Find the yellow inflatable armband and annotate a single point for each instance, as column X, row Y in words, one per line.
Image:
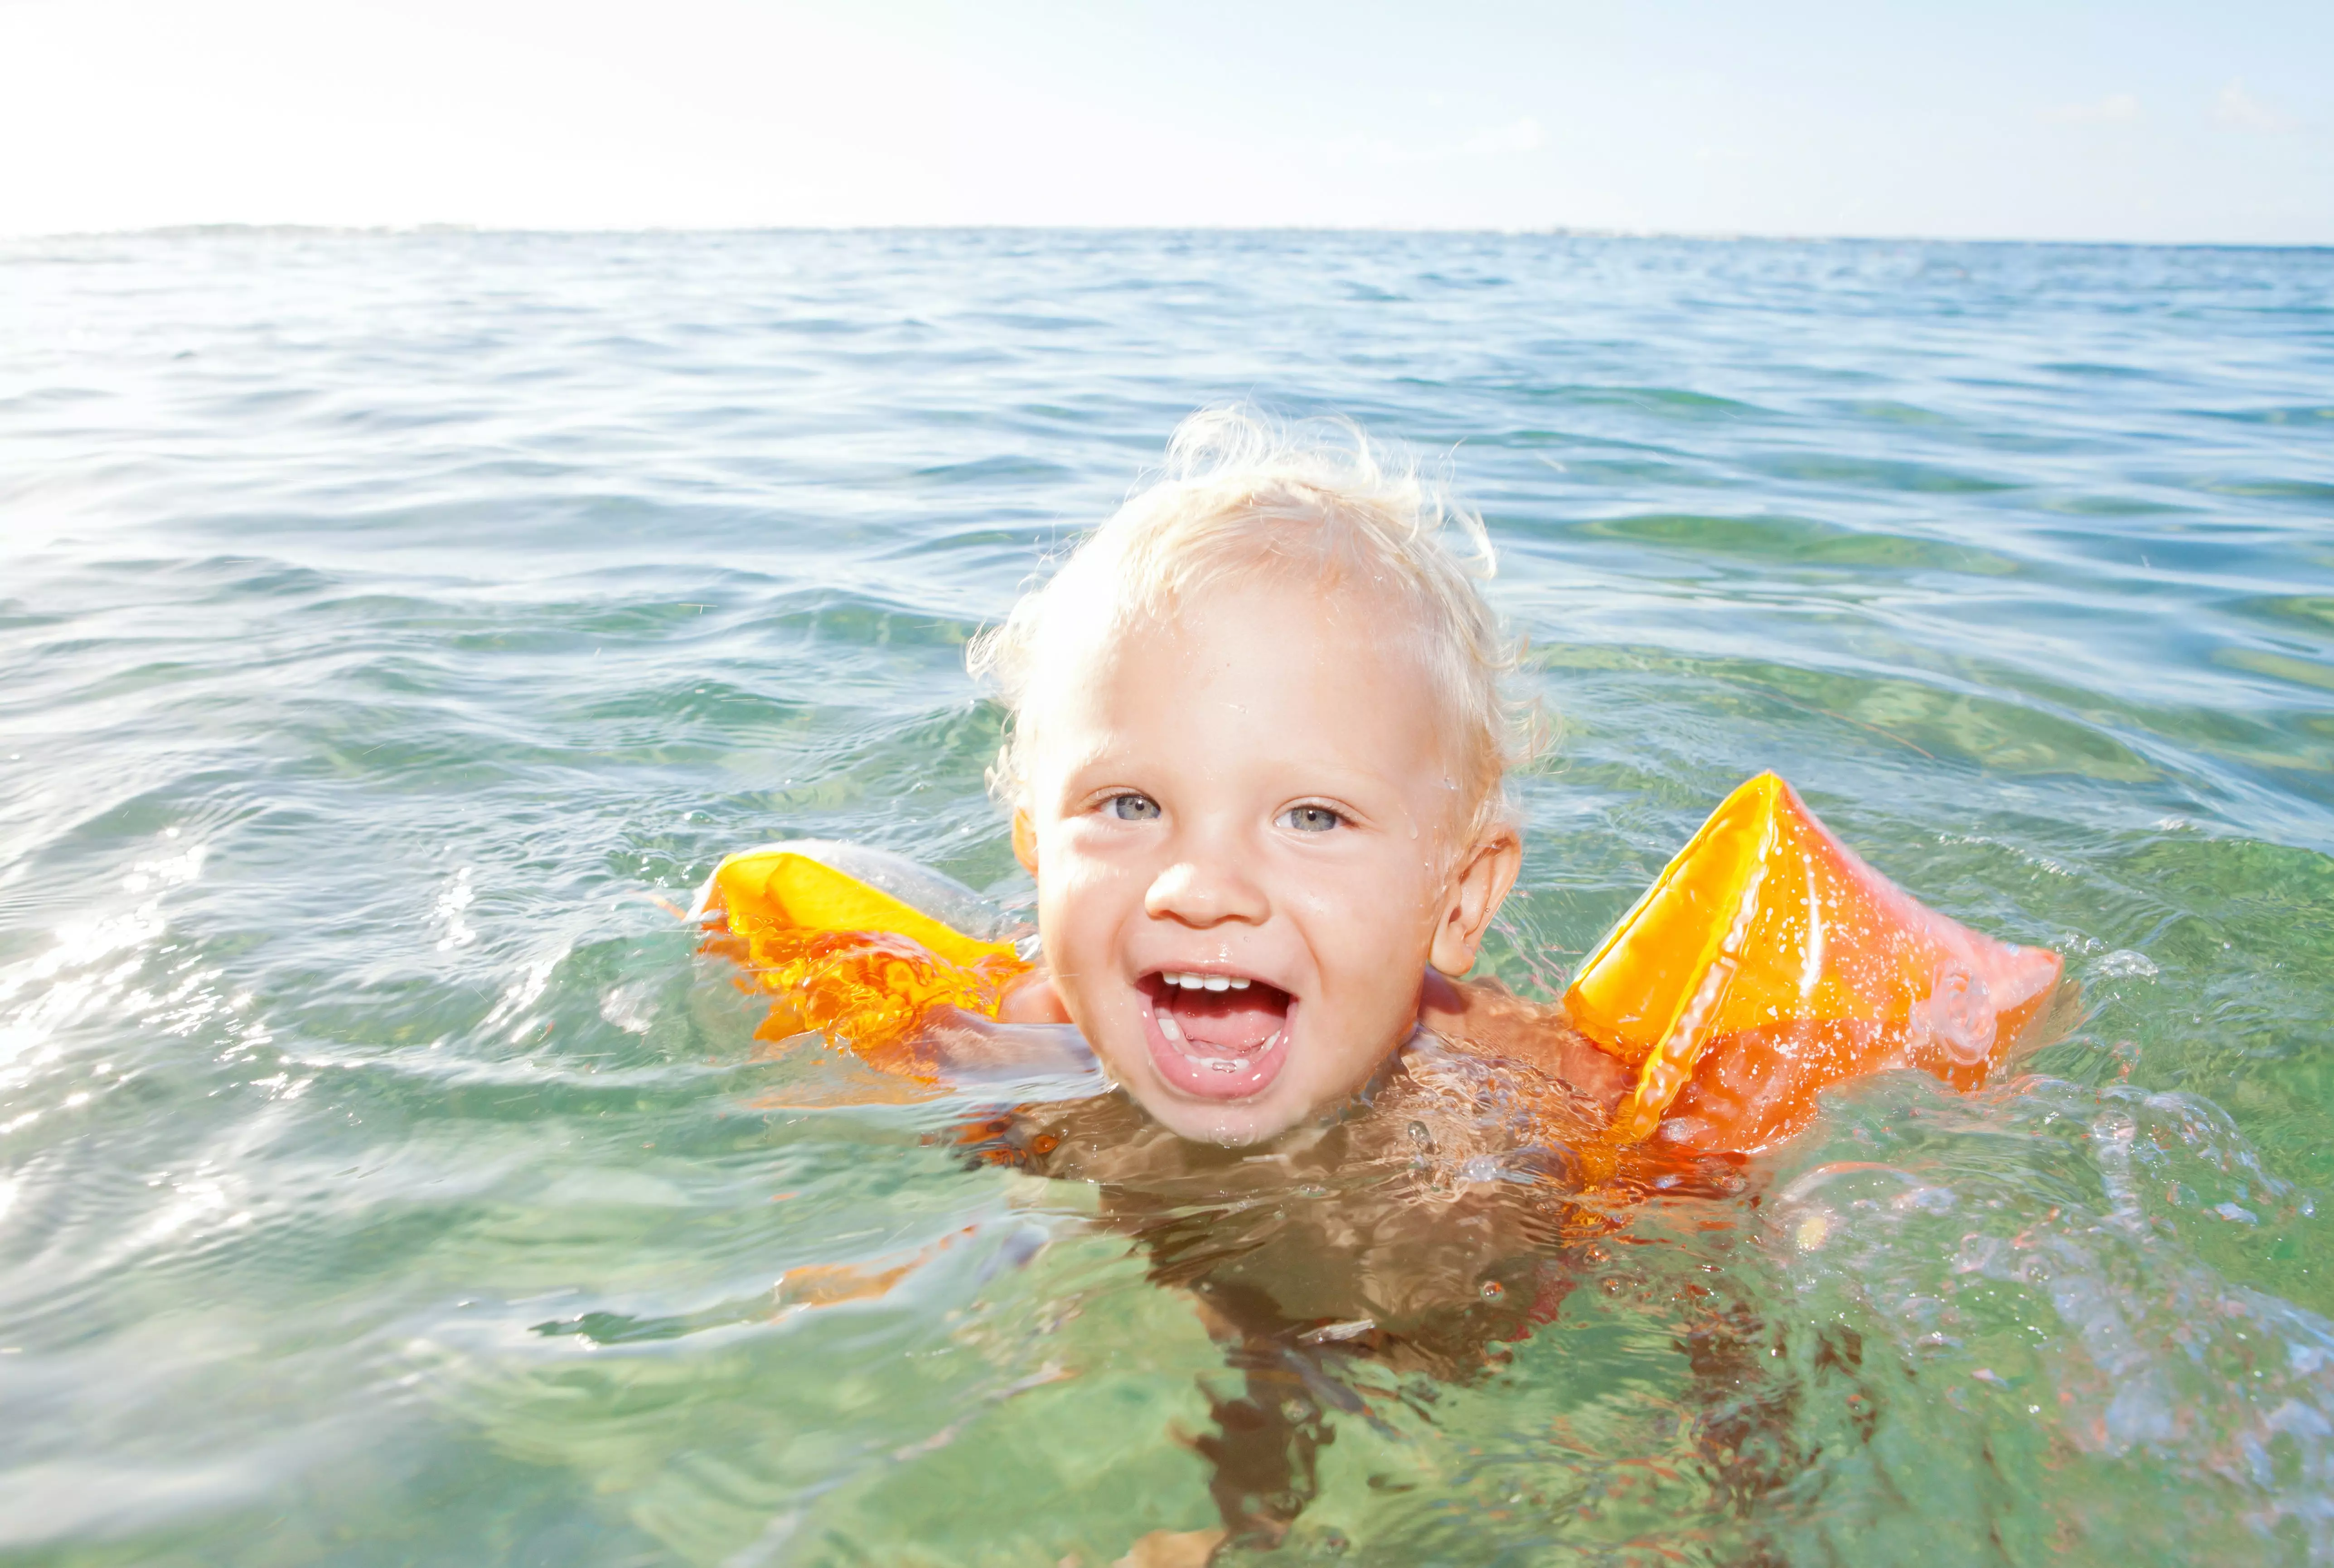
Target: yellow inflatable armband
column 846, row 960
column 1768, row 962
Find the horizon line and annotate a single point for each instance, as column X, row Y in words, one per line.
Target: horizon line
column 1558, row 231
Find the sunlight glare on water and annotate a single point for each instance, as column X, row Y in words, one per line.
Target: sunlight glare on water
column 392, row 627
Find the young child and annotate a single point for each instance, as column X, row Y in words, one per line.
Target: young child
column 1256, row 768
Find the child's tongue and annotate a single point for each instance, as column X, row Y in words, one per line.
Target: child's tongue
column 1226, row 1023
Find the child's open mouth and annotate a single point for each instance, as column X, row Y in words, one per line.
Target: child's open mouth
column 1216, row 1034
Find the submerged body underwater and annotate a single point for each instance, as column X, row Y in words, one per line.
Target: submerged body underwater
column 394, row 628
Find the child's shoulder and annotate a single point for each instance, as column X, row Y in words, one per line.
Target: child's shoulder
column 1483, row 1020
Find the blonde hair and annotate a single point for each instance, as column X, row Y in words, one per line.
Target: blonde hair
column 1241, row 494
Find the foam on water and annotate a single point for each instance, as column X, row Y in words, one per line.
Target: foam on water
column 386, row 622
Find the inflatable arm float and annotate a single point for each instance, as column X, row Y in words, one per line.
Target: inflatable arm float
column 847, row 959
column 1766, row 964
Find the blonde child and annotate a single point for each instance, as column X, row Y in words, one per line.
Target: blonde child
column 1256, row 768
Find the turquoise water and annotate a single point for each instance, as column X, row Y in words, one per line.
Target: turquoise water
column 387, row 621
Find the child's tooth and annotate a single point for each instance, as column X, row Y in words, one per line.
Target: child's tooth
column 1223, row 1065
column 1239, row 984
column 1170, row 1028
column 1219, row 983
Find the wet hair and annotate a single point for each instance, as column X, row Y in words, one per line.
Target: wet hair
column 1243, row 497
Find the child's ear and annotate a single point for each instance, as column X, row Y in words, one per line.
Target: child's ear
column 1475, row 896
column 1024, row 841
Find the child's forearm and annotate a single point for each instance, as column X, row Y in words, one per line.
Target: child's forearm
column 1032, row 1033
column 961, row 1044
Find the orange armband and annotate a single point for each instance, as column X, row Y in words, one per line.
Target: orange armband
column 845, row 958
column 1768, row 962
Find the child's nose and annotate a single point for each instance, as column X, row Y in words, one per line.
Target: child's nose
column 1205, row 892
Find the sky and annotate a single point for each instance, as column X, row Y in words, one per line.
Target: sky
column 2209, row 121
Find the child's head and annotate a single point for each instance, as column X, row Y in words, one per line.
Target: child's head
column 1256, row 766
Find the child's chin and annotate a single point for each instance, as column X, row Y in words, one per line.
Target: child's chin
column 1231, row 1129
column 1231, row 1122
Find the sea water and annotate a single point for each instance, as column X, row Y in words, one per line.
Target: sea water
column 394, row 628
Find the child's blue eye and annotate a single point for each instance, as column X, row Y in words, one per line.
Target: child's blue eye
column 1310, row 819
column 1133, row 808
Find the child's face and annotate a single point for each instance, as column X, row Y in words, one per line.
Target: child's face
column 1255, row 796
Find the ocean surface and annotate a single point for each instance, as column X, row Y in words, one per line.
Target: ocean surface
column 393, row 628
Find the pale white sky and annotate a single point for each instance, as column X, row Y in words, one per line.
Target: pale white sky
column 2210, row 120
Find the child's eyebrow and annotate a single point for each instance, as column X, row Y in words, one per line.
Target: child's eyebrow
column 1108, row 748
